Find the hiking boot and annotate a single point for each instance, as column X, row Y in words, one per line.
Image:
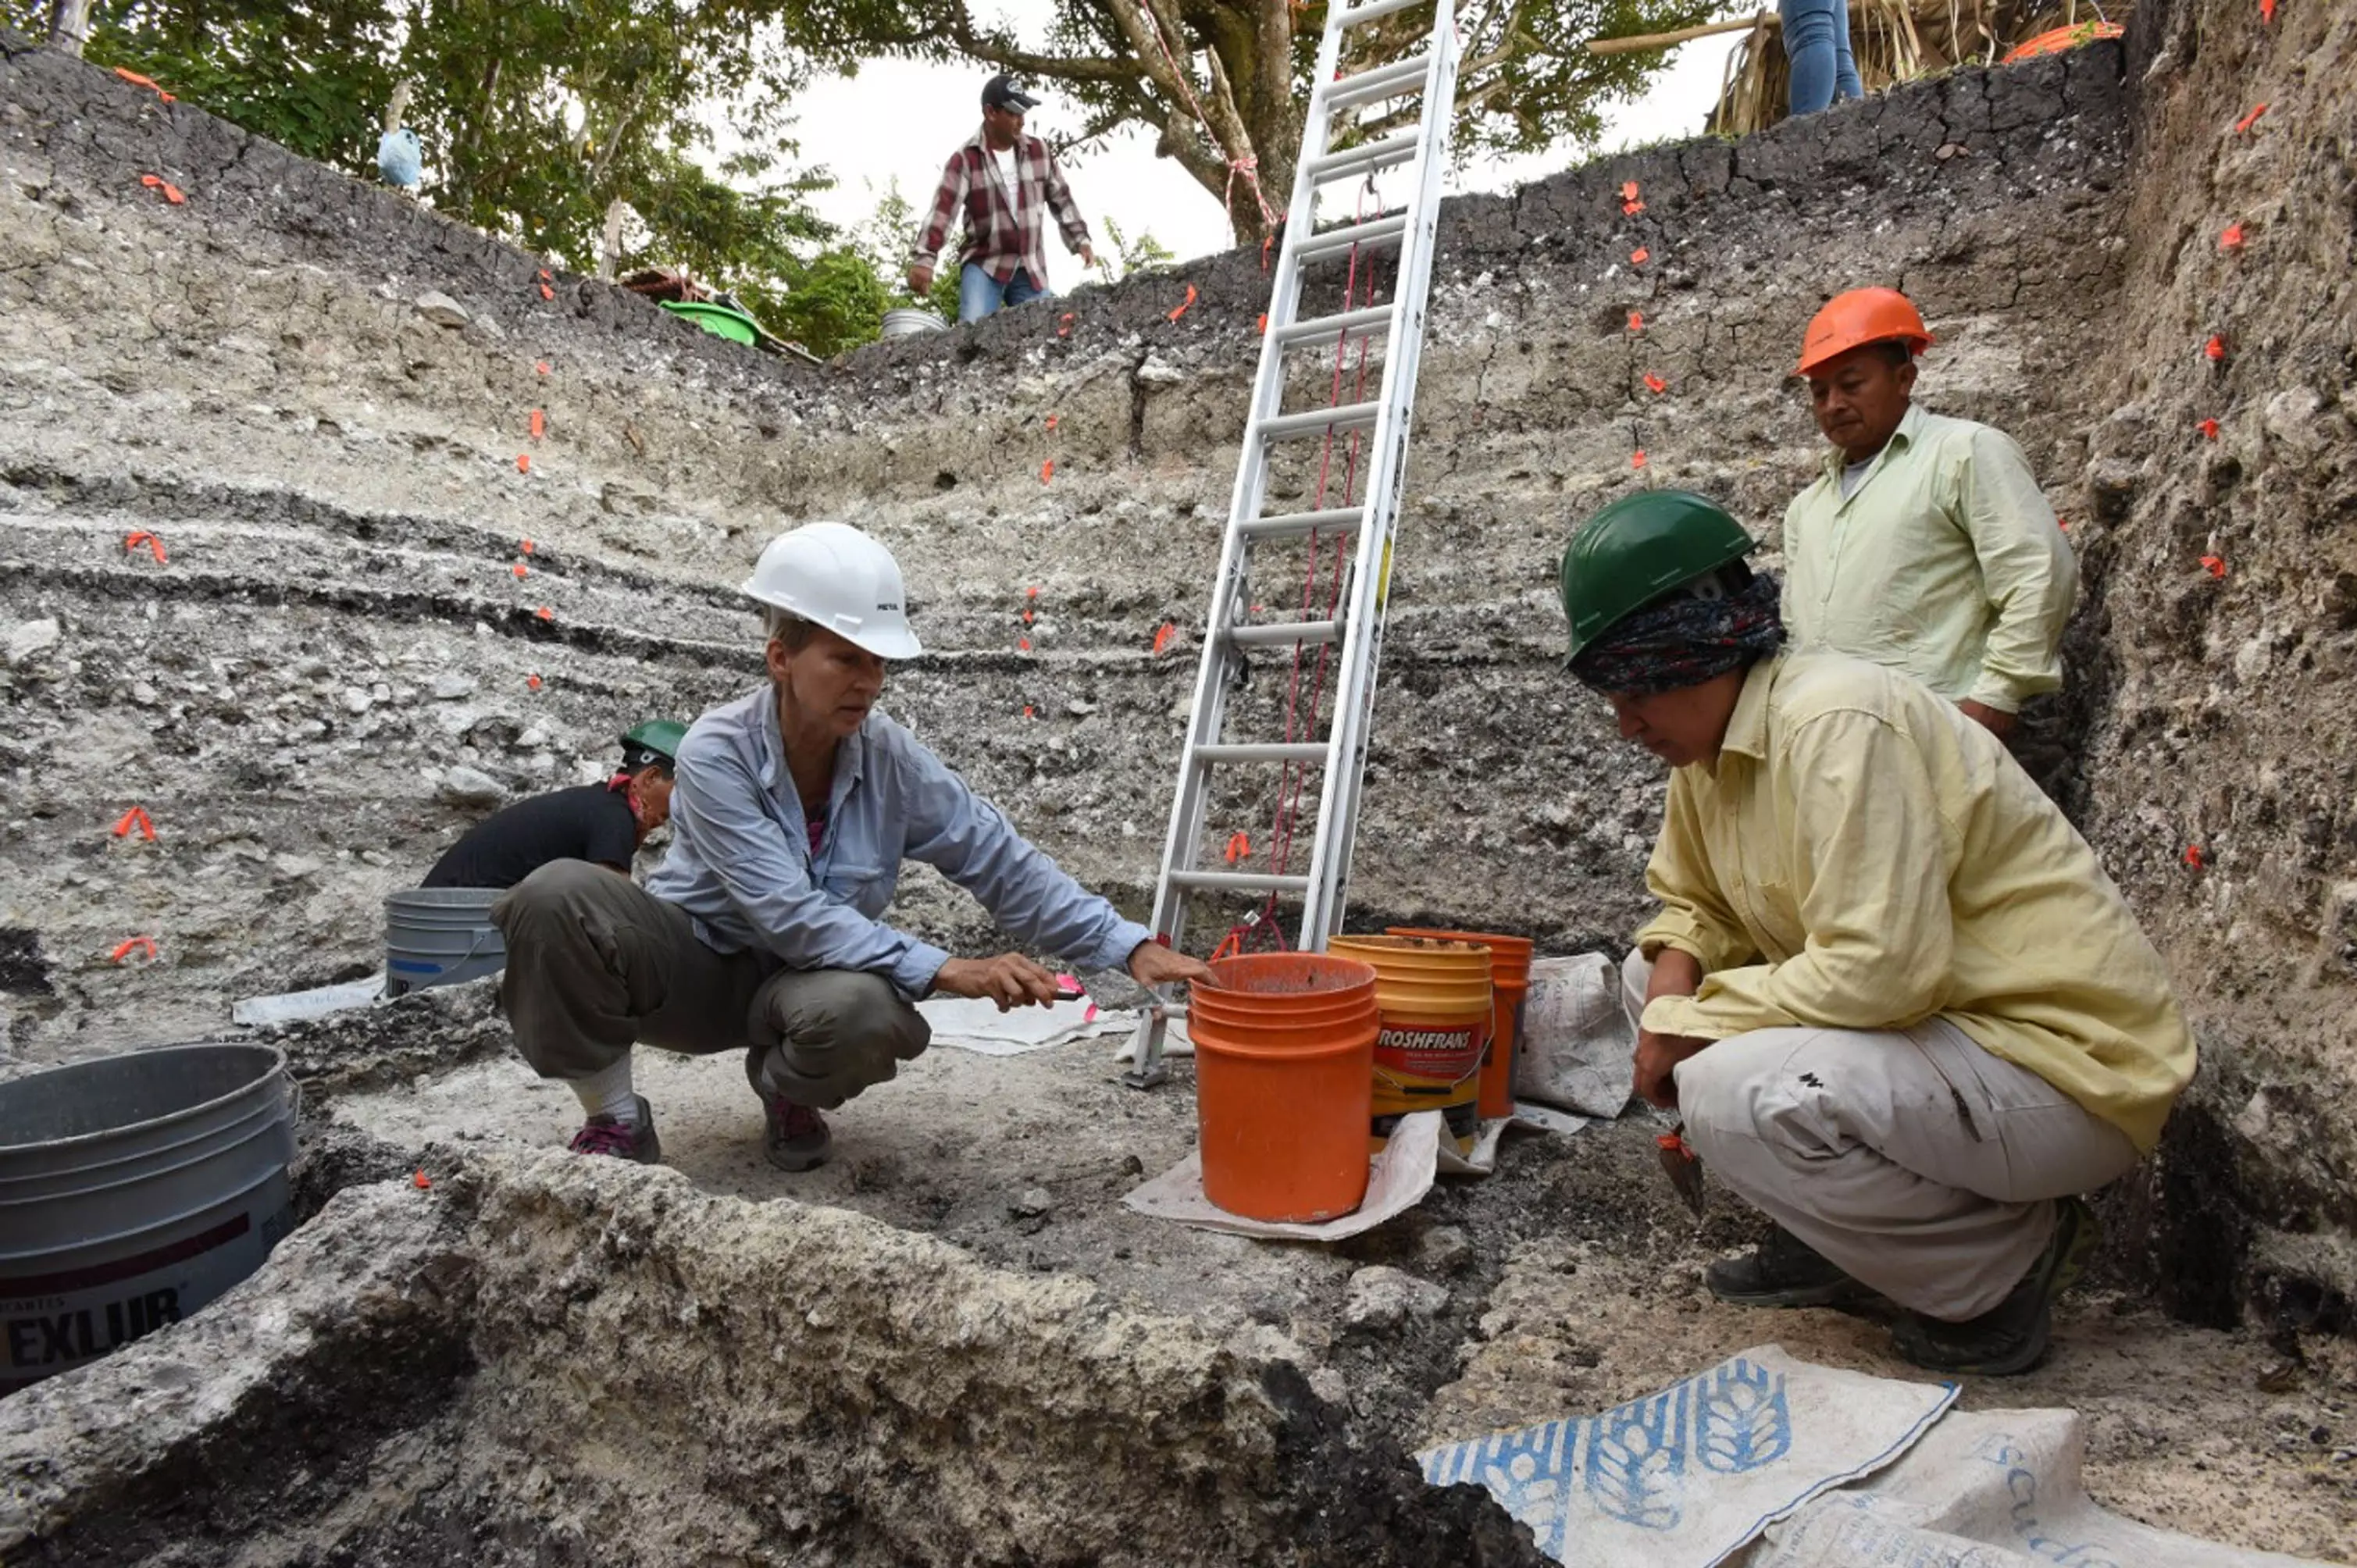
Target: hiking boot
column 795, row 1137
column 623, row 1140
column 2012, row 1336
column 1783, row 1271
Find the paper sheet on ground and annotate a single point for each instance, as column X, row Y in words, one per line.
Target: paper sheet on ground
column 293, row 1006
column 1175, row 1042
column 973, row 1025
column 1397, row 1180
column 1686, row 1478
column 1987, row 1489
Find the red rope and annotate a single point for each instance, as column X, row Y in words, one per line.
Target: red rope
column 1247, row 166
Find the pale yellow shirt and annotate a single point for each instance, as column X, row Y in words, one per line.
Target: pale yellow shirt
column 1946, row 562
column 1863, row 856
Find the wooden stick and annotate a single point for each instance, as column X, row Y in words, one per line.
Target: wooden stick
column 1670, row 41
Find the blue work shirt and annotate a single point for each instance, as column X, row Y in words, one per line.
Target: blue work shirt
column 741, row 863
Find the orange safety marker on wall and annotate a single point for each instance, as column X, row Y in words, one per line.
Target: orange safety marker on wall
column 2267, row 11
column 1181, row 308
column 171, row 192
column 531, row 682
column 1263, row 323
column 523, row 462
column 2213, row 565
column 1028, row 712
column 540, row 367
column 1046, row 470
column 1239, row 846
column 2193, row 856
column 1637, row 459
column 1640, row 256
column 1162, row 634
column 546, row 292
column 1636, row 321
column 2209, row 427
column 140, row 536
column 539, row 424
column 524, row 546
column 124, row 951
column 135, row 80
column 2232, row 240
column 2249, row 120
column 2215, row 350
column 1064, row 324
column 136, row 817
column 1654, row 384
column 544, row 613
column 1022, row 645
column 1052, row 422
column 518, row 568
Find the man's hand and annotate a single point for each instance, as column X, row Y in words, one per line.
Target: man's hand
column 1997, row 721
column 1151, row 963
column 920, row 281
column 1010, row 980
column 1088, row 255
column 1657, row 1057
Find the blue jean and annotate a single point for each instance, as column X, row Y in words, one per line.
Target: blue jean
column 1816, row 42
column 980, row 295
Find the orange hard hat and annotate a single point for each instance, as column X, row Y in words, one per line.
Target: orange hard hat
column 1862, row 316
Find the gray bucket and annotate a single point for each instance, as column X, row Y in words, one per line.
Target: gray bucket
column 135, row 1189
column 907, row 322
column 440, row 936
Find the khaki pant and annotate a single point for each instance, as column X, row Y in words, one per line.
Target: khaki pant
column 1917, row 1161
column 596, row 964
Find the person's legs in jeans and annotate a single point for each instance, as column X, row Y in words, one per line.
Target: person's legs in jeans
column 1809, row 31
column 1021, row 289
column 1845, row 82
column 979, row 293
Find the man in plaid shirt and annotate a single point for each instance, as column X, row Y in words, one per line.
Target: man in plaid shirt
column 1002, row 181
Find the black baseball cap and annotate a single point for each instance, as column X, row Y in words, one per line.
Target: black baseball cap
column 1001, row 92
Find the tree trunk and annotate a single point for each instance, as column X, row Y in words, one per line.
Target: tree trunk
column 69, row 25
column 609, row 255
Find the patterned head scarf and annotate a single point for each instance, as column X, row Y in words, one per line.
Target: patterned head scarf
column 1684, row 640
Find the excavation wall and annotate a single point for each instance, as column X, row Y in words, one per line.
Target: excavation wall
column 346, row 648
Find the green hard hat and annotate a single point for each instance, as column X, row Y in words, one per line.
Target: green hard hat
column 655, row 740
column 1638, row 548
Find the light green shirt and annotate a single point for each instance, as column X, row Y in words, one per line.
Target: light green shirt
column 1945, row 563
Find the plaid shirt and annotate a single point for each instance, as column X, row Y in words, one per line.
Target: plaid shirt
column 998, row 240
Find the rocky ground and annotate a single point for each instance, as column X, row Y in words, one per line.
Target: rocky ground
column 363, row 622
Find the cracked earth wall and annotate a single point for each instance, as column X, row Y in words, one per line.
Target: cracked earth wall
column 339, row 626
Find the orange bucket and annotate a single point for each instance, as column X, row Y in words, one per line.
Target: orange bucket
column 1436, row 1002
column 1284, row 1078
column 1510, row 978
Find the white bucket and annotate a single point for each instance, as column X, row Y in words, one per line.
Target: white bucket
column 135, row 1189
column 440, row 936
column 908, row 321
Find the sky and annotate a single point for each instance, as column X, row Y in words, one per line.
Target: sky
column 901, row 120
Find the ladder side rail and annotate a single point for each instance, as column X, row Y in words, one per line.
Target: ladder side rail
column 1355, row 686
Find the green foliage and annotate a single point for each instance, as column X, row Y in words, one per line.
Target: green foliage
column 1142, row 254
column 835, row 301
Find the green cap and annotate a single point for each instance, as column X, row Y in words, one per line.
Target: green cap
column 657, row 740
column 1638, row 548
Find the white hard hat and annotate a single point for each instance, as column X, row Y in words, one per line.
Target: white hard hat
column 831, row 574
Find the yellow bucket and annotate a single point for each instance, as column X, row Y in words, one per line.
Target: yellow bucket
column 1435, row 1002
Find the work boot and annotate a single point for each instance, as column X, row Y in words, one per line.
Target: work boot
column 1783, row 1271
column 2012, row 1336
column 623, row 1140
column 795, row 1137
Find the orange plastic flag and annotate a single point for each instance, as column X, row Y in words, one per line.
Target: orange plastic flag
column 524, row 545
column 422, row 1185
column 539, row 424
column 523, row 462
column 156, row 182
column 138, row 537
column 2267, row 10
column 1064, row 324
column 1636, row 321
column 1046, row 470
column 1654, row 384
column 136, row 817
column 1630, row 209
column 135, row 80
column 1239, row 846
column 1022, row 645
column 2232, row 240
column 540, row 366
column 1028, row 712
column 2215, row 567
column 2249, row 120
column 2215, row 349
column 124, row 951
column 544, row 613
column 2209, row 427
column 1027, row 618
column 518, row 569
column 1637, row 459
column 531, row 682
column 546, row 292
column 1181, row 308
column 2193, row 856
column 1263, row 323
column 1162, row 634
column 1640, row 256
column 1628, row 190
column 1052, row 422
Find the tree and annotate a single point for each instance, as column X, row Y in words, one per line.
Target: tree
column 1221, row 82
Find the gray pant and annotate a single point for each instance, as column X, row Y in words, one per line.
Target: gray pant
column 595, row 963
column 1918, row 1162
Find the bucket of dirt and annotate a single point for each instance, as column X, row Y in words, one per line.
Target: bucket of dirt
column 910, row 322
column 1283, row 1071
column 1436, row 1002
column 440, row 936
column 1510, row 984
column 133, row 1189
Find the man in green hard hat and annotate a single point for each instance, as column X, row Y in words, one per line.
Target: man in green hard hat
column 603, row 823
column 1900, row 1007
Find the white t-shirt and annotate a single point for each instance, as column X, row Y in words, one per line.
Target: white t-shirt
column 1854, row 475
column 1002, row 165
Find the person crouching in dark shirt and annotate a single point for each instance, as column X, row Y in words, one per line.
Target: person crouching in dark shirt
column 601, row 822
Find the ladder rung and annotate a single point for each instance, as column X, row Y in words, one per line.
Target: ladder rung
column 1327, row 328
column 1293, row 524
column 1373, row 86
column 1371, row 11
column 1284, row 633
column 1287, row 751
column 1334, row 242
column 1239, row 882
column 1369, row 157
column 1316, row 421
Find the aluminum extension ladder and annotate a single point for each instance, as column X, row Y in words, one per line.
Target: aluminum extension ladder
column 1431, row 75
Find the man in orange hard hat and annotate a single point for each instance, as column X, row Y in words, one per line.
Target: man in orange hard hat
column 1924, row 545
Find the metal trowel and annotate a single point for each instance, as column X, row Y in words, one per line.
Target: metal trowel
column 1685, row 1168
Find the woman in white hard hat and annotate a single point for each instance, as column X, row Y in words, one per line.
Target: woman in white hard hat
column 792, row 808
